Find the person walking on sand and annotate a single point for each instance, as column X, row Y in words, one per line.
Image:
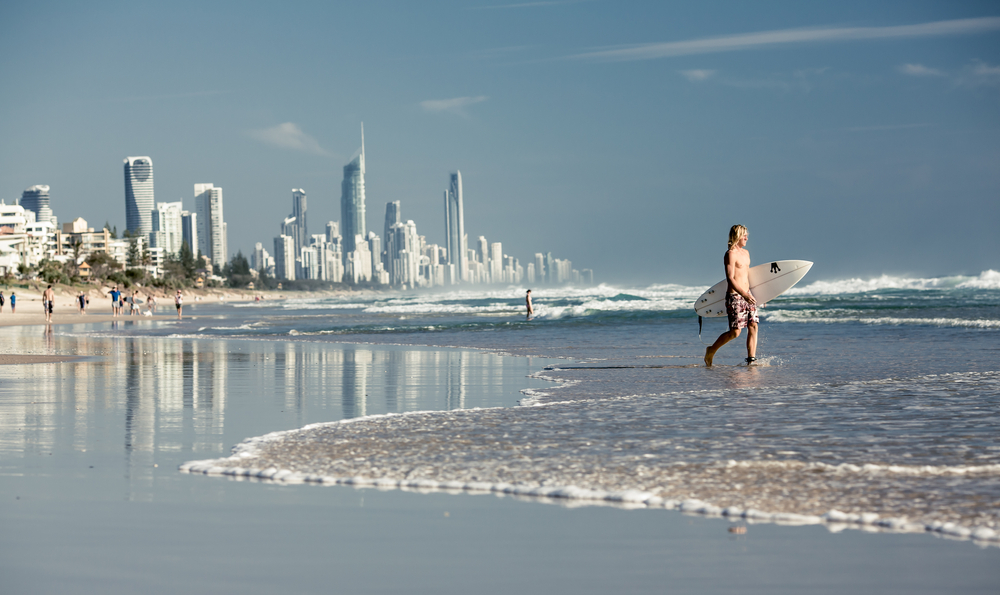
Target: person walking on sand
column 13, row 303
column 114, row 301
column 1, row 302
column 179, row 302
column 741, row 307
column 48, row 303
column 150, row 304
column 82, row 298
column 527, row 302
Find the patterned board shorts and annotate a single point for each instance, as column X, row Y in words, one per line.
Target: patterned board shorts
column 740, row 311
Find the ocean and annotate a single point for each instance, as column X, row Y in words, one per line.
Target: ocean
column 874, row 403
column 589, row 448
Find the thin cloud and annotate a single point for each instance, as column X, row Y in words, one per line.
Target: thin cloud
column 919, row 70
column 289, row 136
column 697, row 75
column 455, row 105
column 746, row 41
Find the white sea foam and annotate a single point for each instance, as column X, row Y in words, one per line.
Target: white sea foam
column 989, row 279
column 618, row 454
column 840, row 316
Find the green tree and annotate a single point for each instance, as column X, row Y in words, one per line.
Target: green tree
column 237, row 271
column 134, row 257
column 187, row 260
column 102, row 265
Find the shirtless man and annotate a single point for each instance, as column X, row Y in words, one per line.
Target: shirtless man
column 48, row 303
column 740, row 305
column 527, row 300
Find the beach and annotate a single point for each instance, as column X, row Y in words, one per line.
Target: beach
column 444, row 441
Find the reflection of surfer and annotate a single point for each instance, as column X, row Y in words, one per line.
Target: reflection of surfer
column 527, row 301
column 741, row 307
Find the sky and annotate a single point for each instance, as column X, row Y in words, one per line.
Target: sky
column 626, row 136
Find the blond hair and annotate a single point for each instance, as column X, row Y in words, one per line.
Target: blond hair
column 736, row 233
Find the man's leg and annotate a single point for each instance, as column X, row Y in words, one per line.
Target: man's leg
column 722, row 340
column 752, row 339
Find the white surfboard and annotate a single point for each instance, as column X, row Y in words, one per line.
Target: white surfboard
column 767, row 281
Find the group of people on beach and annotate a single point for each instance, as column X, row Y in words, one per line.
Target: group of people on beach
column 119, row 300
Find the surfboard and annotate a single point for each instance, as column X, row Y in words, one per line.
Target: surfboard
column 767, row 281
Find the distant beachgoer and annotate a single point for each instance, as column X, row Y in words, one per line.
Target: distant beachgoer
column 48, row 303
column 1, row 302
column 527, row 300
column 82, row 298
column 179, row 302
column 13, row 302
column 150, row 304
column 741, row 307
column 114, row 300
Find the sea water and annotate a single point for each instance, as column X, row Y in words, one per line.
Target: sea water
column 873, row 402
column 874, row 407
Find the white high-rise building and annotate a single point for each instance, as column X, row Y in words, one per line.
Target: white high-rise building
column 36, row 199
column 284, row 258
column 540, row 266
column 167, row 229
column 496, row 262
column 454, row 226
column 211, row 225
column 139, row 199
column 403, row 248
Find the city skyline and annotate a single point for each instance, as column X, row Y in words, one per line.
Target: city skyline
column 628, row 136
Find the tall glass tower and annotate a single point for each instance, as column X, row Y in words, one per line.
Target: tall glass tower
column 352, row 199
column 454, row 226
column 392, row 217
column 139, row 202
column 299, row 212
column 36, row 199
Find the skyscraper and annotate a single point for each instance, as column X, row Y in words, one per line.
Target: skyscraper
column 189, row 231
column 167, row 229
column 392, row 217
column 352, row 199
column 139, row 201
column 454, row 226
column 301, row 231
column 36, row 200
column 211, row 226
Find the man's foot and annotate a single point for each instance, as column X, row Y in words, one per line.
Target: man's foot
column 709, row 356
column 750, row 360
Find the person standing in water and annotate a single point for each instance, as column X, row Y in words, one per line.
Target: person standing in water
column 527, row 300
column 741, row 307
column 48, row 303
column 179, row 302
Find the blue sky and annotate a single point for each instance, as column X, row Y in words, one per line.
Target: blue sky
column 626, row 136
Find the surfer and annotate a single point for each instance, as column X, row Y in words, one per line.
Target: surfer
column 527, row 299
column 741, row 307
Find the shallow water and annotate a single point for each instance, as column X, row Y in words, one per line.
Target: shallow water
column 842, row 411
